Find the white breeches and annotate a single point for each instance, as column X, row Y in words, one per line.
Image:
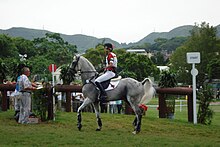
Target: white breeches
column 106, row 76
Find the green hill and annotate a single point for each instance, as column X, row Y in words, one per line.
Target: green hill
column 84, row 42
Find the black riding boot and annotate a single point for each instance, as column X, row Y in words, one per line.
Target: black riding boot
column 103, row 94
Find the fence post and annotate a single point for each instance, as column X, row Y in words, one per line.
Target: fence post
column 190, row 107
column 162, row 106
column 4, row 100
column 50, row 103
column 68, row 101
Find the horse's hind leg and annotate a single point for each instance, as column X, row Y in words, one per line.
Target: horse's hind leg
column 99, row 121
column 137, row 123
column 86, row 102
column 137, row 120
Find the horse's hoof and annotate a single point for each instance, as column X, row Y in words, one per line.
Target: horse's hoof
column 79, row 127
column 135, row 132
column 98, row 129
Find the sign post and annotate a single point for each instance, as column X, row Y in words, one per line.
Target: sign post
column 192, row 58
column 52, row 69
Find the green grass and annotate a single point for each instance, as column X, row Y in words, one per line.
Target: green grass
column 116, row 131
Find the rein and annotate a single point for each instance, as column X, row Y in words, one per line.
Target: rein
column 88, row 71
column 76, row 62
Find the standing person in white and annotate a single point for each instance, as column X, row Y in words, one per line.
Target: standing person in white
column 24, row 87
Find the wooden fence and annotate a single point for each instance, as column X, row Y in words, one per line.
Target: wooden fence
column 75, row 88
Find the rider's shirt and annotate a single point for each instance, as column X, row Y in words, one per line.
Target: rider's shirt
column 111, row 58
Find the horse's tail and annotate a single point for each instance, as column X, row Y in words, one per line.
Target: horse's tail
column 149, row 91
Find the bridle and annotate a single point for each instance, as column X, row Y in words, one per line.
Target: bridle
column 73, row 68
column 74, row 63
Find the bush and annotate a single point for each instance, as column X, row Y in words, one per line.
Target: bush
column 205, row 114
column 40, row 103
column 168, row 80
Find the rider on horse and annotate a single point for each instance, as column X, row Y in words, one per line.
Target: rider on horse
column 109, row 71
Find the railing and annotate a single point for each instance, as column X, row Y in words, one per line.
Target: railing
column 175, row 91
column 75, row 88
column 4, row 88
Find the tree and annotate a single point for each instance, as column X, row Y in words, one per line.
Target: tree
column 96, row 56
column 136, row 66
column 158, row 59
column 24, row 46
column 205, row 113
column 53, row 47
column 40, row 66
column 7, row 47
column 214, row 68
column 203, row 39
column 3, row 71
column 129, row 64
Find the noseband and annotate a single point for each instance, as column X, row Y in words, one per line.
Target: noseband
column 72, row 69
column 74, row 66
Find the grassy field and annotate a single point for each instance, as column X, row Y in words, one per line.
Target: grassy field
column 116, row 131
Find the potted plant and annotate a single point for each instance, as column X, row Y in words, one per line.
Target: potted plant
column 168, row 80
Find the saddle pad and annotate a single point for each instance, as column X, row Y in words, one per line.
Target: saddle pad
column 112, row 85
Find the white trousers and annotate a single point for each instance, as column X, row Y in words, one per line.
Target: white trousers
column 106, row 76
column 25, row 108
column 17, row 104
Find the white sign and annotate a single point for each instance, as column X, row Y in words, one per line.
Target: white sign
column 193, row 57
column 194, row 72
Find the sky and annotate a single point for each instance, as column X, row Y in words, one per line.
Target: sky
column 124, row 21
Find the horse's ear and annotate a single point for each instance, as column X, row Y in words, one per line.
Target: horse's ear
column 74, row 57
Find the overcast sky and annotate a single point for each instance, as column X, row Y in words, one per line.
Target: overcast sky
column 121, row 20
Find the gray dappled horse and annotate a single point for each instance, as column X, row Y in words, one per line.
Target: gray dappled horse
column 128, row 89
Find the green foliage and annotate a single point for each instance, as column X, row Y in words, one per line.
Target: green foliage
column 214, row 68
column 25, row 47
column 41, row 52
column 65, row 75
column 96, row 56
column 53, row 47
column 158, row 59
column 40, row 103
column 167, row 44
column 129, row 64
column 203, row 39
column 40, row 66
column 205, row 114
column 179, row 65
column 7, row 47
column 3, row 71
column 167, row 79
column 136, row 66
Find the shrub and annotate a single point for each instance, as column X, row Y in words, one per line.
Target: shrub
column 205, row 114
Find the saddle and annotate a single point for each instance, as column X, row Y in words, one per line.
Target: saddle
column 111, row 83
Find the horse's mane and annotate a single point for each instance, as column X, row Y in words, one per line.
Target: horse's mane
column 86, row 61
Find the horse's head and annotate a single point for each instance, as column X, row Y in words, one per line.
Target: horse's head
column 73, row 68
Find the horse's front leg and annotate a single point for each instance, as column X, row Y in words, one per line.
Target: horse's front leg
column 99, row 121
column 86, row 102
